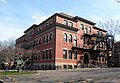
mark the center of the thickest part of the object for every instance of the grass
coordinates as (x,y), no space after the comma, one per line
(2,73)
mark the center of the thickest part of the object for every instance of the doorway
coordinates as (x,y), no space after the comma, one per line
(86,58)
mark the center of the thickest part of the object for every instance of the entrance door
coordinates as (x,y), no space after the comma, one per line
(86,59)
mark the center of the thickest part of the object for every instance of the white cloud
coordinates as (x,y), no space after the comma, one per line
(3,1)
(38,18)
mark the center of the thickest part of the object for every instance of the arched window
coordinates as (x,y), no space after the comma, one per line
(47,37)
(89,29)
(86,30)
(82,26)
(75,40)
(40,41)
(65,37)
(44,39)
(70,38)
(51,36)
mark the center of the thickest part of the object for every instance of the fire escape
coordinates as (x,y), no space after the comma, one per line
(99,46)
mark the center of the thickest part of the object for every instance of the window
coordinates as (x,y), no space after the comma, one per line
(75,40)
(88,42)
(50,53)
(70,38)
(43,54)
(65,22)
(70,54)
(70,24)
(103,59)
(101,44)
(65,37)
(82,26)
(44,39)
(89,29)
(101,33)
(50,22)
(46,54)
(36,42)
(40,41)
(98,33)
(65,54)
(40,28)
(37,30)
(75,55)
(85,30)
(47,24)
(51,36)
(47,39)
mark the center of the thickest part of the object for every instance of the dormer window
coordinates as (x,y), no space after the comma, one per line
(65,22)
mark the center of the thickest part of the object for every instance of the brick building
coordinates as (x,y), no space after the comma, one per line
(64,42)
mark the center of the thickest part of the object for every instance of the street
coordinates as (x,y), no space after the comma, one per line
(84,75)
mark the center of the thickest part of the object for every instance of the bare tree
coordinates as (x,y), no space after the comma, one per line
(112,27)
(118,1)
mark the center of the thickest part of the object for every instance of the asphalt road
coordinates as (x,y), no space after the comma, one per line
(84,75)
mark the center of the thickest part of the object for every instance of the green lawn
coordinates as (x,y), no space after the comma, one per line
(2,73)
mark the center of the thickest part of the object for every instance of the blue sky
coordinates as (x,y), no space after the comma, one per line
(18,15)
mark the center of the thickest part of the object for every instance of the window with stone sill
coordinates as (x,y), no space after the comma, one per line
(86,30)
(89,29)
(47,54)
(65,54)
(44,55)
(65,37)
(44,39)
(82,26)
(70,38)
(70,54)
(75,55)
(75,40)
(47,38)
(50,36)
(40,41)
(50,53)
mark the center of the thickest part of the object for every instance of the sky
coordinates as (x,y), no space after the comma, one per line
(18,15)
